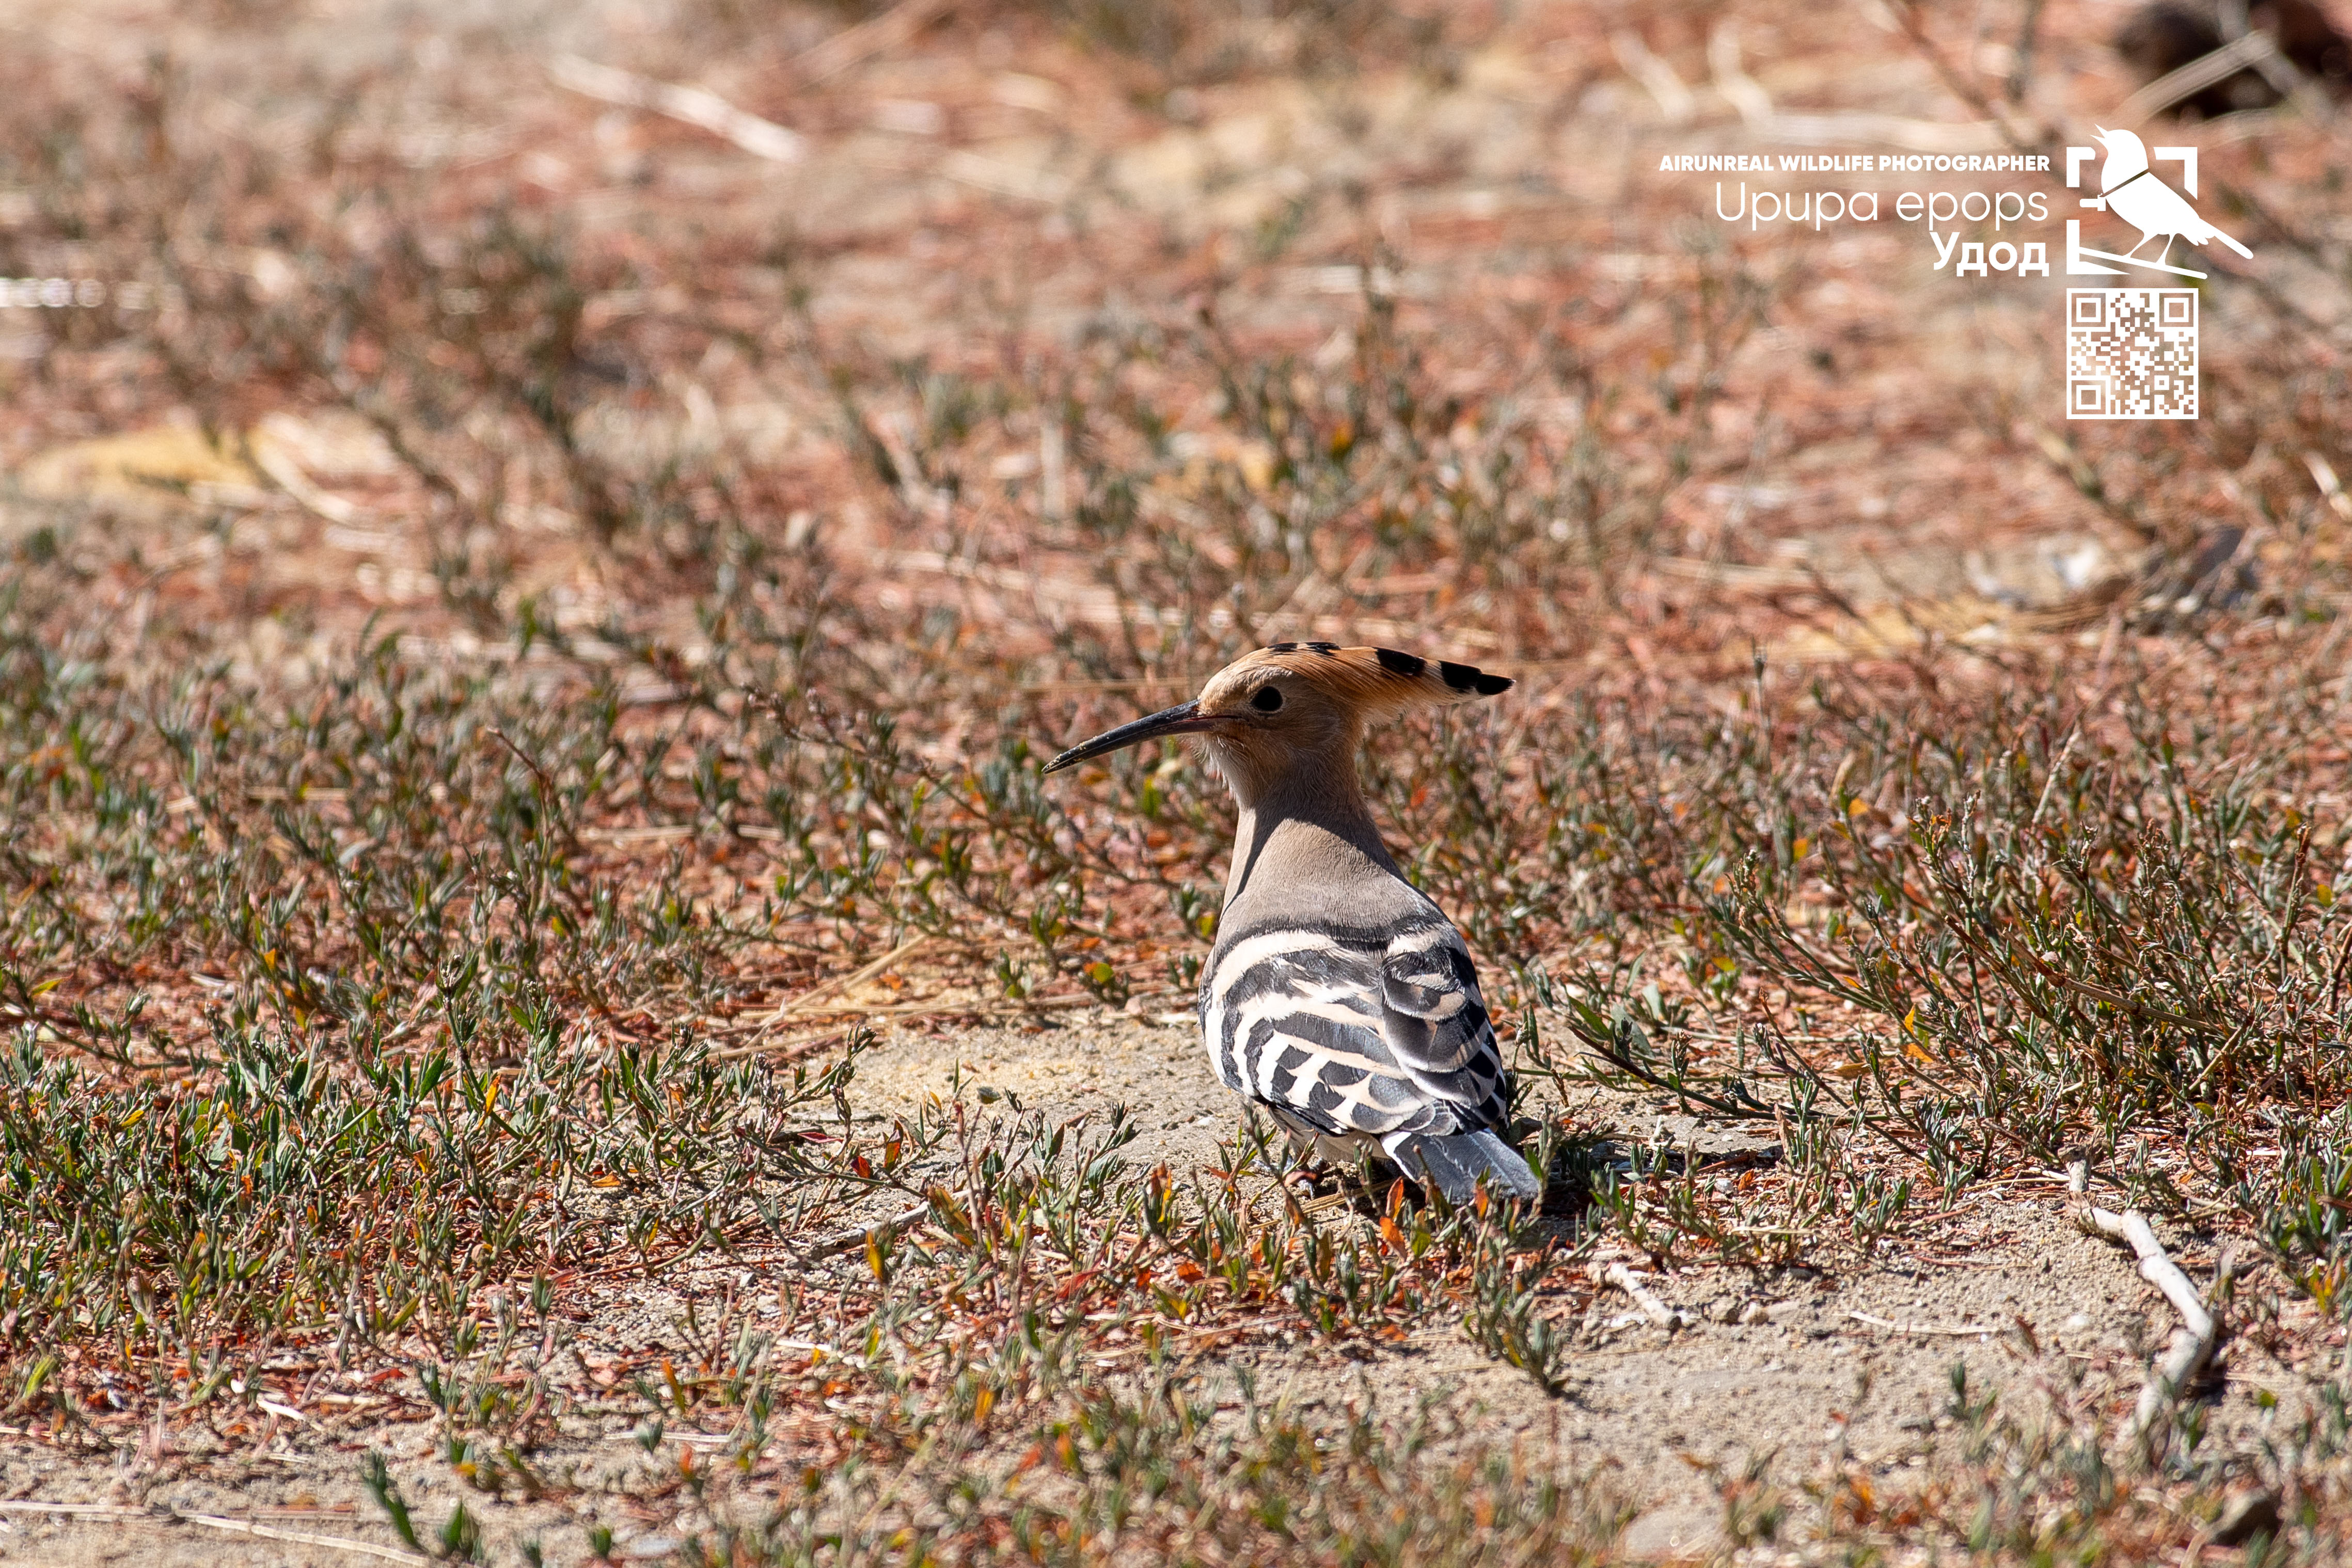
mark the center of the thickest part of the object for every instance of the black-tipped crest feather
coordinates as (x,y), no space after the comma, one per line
(1373,679)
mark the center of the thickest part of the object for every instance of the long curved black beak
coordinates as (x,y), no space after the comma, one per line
(1184,719)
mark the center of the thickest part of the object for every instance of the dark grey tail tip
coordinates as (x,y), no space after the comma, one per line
(1499,1188)
(1454,1164)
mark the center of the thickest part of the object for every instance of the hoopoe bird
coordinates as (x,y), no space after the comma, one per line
(1338,995)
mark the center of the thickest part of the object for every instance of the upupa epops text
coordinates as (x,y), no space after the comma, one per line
(1338,996)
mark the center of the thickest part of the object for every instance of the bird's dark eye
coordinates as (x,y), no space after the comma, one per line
(1266,699)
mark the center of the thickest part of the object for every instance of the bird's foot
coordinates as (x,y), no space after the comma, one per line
(1310,1180)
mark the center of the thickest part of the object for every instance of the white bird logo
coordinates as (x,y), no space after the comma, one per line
(2131,190)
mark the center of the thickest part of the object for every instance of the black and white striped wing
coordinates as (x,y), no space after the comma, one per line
(1294,1017)
(1435,1025)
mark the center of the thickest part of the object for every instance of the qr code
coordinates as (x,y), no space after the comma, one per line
(2131,353)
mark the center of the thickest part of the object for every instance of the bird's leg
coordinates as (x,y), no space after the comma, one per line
(2165,253)
(2135,250)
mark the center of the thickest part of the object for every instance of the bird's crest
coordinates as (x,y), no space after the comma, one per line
(1365,678)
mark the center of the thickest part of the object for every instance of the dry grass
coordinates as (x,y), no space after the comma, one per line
(567,607)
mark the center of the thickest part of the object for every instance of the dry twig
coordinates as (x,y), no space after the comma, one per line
(2192,1343)
(855,1235)
(107,1514)
(876,36)
(1963,1330)
(1656,1310)
(794,1045)
(856,976)
(693,105)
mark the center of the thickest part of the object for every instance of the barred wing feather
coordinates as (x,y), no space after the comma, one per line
(1369,1031)
(1437,1026)
(1356,1036)
(1292,1018)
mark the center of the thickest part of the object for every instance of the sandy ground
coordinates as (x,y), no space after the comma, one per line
(1805,1382)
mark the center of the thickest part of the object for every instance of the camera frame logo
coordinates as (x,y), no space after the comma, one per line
(2131,353)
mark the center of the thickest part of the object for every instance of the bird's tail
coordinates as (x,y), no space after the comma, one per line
(1454,1164)
(2233,245)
